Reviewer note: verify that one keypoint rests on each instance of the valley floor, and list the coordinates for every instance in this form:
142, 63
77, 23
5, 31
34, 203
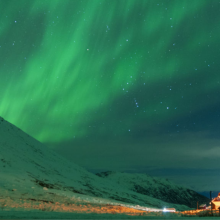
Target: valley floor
29, 208
63, 215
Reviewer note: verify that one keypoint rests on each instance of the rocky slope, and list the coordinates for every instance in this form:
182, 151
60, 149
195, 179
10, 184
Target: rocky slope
159, 188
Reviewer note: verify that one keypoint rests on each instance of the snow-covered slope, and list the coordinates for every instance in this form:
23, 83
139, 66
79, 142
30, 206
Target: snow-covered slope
31, 170
159, 188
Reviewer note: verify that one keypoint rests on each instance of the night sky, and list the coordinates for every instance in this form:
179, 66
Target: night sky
123, 85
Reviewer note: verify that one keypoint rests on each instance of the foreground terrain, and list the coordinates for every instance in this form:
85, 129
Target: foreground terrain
35, 178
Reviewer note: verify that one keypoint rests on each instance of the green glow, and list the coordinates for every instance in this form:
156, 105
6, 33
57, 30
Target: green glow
71, 63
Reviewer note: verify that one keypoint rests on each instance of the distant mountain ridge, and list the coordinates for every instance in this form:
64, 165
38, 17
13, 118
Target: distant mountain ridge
31, 170
159, 188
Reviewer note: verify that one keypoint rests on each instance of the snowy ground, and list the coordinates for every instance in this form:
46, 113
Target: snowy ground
61, 215
85, 208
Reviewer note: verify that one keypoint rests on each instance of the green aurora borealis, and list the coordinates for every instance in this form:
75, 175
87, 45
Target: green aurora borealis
125, 75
